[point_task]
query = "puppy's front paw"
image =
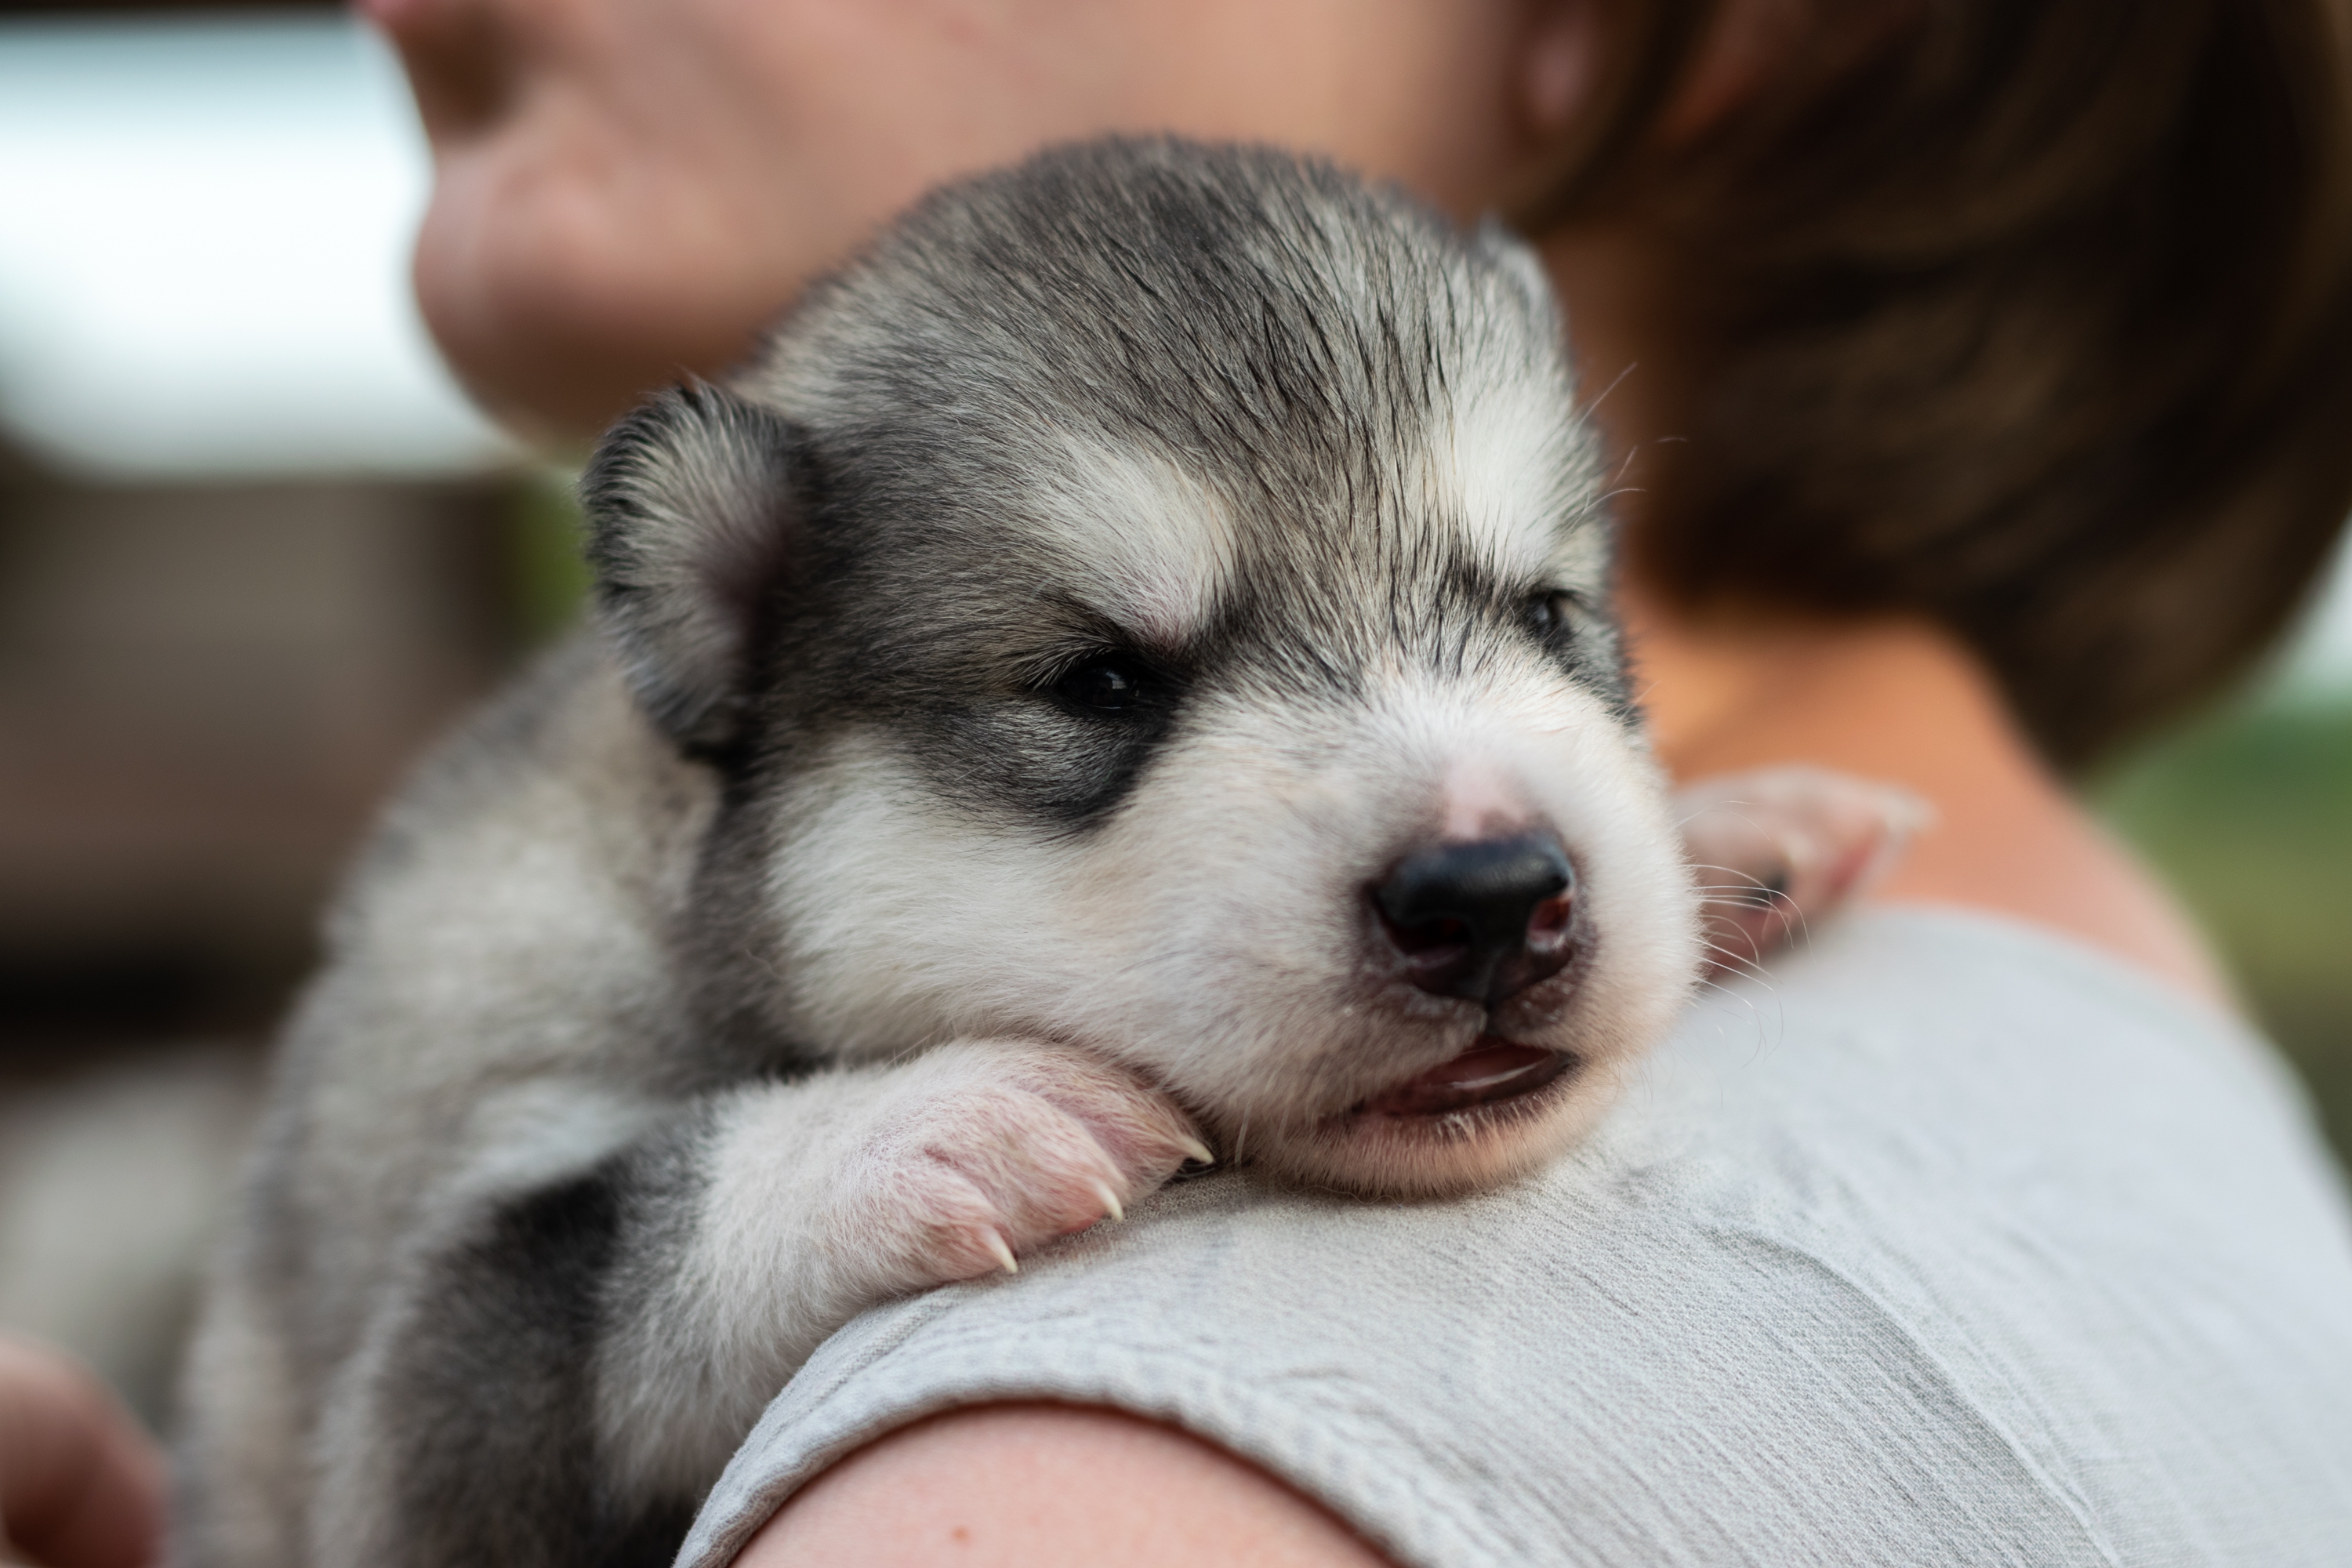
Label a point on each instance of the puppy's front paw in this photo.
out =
(985, 1149)
(1776, 847)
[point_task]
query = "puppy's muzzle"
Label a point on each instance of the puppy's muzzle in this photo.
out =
(1481, 921)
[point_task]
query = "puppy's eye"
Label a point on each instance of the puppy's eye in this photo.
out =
(1550, 614)
(1106, 686)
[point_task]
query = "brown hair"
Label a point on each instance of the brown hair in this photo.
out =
(2031, 316)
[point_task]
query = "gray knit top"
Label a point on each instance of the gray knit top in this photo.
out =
(1950, 1241)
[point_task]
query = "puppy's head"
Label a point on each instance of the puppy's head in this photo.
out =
(1158, 599)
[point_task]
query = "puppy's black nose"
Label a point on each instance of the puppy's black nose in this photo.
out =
(1482, 920)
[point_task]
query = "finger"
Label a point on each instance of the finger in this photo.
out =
(1777, 847)
(80, 1485)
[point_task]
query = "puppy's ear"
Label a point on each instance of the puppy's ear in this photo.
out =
(1519, 262)
(690, 505)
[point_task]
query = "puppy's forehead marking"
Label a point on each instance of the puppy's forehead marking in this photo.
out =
(1507, 459)
(1142, 540)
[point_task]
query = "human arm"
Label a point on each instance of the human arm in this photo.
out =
(1044, 1485)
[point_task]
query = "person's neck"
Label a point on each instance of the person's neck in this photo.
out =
(1896, 699)
(1900, 700)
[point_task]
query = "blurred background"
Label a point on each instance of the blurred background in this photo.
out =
(255, 550)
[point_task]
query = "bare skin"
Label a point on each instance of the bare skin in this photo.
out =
(626, 189)
(80, 1486)
(1037, 1486)
(629, 188)
(1894, 699)
(1901, 702)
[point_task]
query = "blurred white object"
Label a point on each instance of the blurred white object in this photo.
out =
(203, 254)
(2319, 658)
(112, 1185)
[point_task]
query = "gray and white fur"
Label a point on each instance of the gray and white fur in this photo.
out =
(1013, 693)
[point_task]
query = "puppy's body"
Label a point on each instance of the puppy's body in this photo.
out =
(1087, 690)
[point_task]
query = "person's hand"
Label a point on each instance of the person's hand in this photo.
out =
(80, 1485)
(1775, 848)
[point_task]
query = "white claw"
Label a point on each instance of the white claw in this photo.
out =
(1196, 1150)
(1109, 1201)
(1000, 1251)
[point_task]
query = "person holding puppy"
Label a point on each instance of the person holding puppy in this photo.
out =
(1981, 374)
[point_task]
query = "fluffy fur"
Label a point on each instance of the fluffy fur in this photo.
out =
(814, 931)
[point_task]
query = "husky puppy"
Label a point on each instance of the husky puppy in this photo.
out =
(1124, 678)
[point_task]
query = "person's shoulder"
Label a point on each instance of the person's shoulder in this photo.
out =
(2070, 1200)
(1912, 1034)
(1878, 1255)
(1957, 1098)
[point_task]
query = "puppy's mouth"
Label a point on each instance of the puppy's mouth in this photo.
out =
(1490, 1072)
